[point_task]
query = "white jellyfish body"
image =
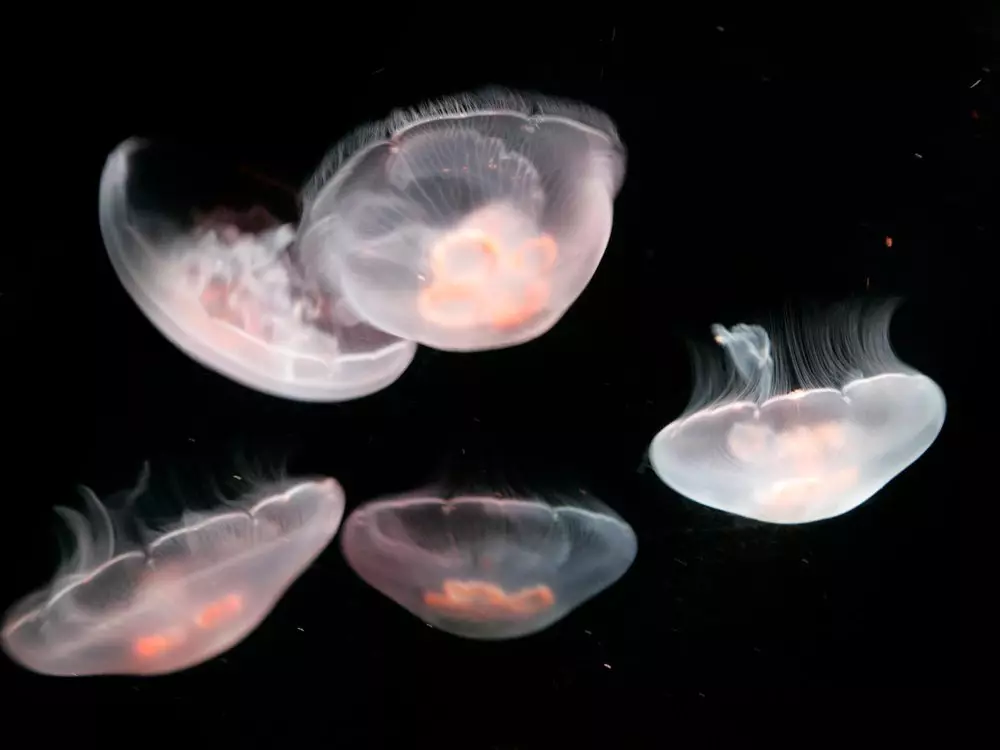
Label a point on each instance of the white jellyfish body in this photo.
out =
(767, 450)
(483, 567)
(470, 224)
(183, 597)
(226, 291)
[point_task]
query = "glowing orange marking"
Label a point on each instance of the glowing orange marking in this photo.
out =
(807, 490)
(888, 241)
(450, 305)
(215, 299)
(465, 305)
(481, 600)
(509, 310)
(219, 611)
(441, 253)
(150, 646)
(518, 260)
(233, 305)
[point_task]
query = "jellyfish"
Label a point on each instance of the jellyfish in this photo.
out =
(219, 281)
(184, 596)
(468, 224)
(487, 568)
(810, 424)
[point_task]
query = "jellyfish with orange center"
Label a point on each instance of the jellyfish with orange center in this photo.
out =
(812, 422)
(179, 598)
(474, 225)
(486, 567)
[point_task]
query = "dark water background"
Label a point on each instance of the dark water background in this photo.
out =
(769, 159)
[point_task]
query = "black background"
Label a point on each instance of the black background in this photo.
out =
(770, 156)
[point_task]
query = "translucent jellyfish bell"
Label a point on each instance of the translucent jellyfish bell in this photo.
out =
(221, 284)
(766, 449)
(486, 568)
(183, 597)
(469, 224)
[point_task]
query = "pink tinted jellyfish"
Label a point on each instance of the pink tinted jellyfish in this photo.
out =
(222, 286)
(468, 224)
(486, 568)
(810, 426)
(183, 597)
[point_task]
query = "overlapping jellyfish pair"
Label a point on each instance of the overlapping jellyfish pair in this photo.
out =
(479, 567)
(803, 426)
(469, 224)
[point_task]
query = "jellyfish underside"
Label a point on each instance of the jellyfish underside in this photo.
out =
(186, 596)
(474, 226)
(805, 454)
(486, 568)
(228, 293)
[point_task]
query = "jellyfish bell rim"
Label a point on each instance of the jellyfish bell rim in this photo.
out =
(343, 158)
(844, 393)
(114, 222)
(347, 167)
(824, 347)
(248, 505)
(589, 506)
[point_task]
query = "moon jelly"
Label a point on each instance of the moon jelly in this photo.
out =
(183, 597)
(486, 568)
(221, 284)
(468, 224)
(810, 426)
